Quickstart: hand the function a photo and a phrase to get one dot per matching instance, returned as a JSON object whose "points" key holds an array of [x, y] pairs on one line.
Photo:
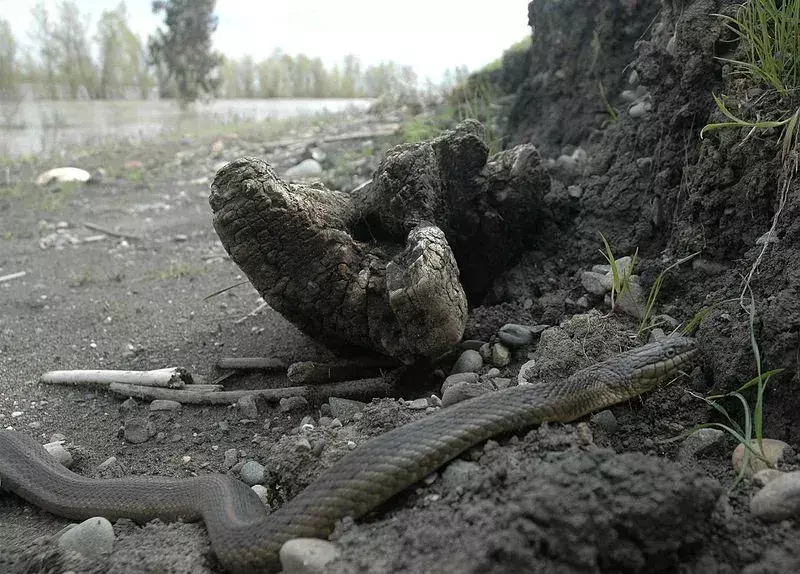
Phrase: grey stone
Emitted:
{"points": [[459, 378], [501, 356], [468, 362], [291, 404], [128, 406], [514, 335], [486, 352], [262, 493], [774, 451], [457, 473], [461, 392], [501, 382], [231, 458], [765, 476], [606, 421], [138, 430], [574, 191], [306, 168], [779, 499], [164, 405], [417, 404], [307, 555], [595, 283], [252, 473], [472, 344], [526, 372], [58, 452], [639, 109], [345, 409], [92, 538], [248, 406], [492, 373], [702, 442]]}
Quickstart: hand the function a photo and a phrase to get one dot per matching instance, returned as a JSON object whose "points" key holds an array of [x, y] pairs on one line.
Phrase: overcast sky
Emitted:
{"points": [[429, 35]]}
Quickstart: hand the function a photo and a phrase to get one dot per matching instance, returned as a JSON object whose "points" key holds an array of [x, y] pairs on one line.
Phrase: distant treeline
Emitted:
{"points": [[64, 59]]}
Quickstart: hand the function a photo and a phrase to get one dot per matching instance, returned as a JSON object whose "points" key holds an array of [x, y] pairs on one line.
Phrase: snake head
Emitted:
{"points": [[655, 363]]}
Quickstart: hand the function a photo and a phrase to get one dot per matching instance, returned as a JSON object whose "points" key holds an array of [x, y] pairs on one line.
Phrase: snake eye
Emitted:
{"points": [[670, 353]]}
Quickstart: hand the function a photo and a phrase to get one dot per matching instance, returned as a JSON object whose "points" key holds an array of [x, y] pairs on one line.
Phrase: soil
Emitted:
{"points": [[561, 498]]}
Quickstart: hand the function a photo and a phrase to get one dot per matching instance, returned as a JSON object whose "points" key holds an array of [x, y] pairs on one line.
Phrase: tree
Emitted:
{"points": [[185, 46], [122, 63], [71, 41], [42, 38]]}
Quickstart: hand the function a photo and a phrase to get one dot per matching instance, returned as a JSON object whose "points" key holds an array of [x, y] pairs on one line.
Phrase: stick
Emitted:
{"points": [[11, 276], [363, 389], [251, 363], [305, 372], [101, 229], [252, 313], [173, 377]]}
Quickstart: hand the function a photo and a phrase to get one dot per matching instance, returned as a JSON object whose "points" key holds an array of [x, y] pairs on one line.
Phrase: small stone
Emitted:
{"points": [[307, 555], [247, 404], [164, 405], [306, 168], [774, 451], [417, 404], [223, 426], [631, 302], [107, 463], [468, 362], [501, 382], [128, 406], [656, 334], [459, 378], [262, 493], [492, 373], [765, 476], [92, 538], [574, 191], [302, 445], [514, 335], [585, 435], [434, 401], [290, 404], [779, 499], [457, 473], [461, 392], [486, 352], [639, 109], [526, 372], [595, 283], [501, 356], [705, 441], [138, 430], [606, 421], [472, 344], [58, 452], [252, 473], [230, 458], [345, 409]]}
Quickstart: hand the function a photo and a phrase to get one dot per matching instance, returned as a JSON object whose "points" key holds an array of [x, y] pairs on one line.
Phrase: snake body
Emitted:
{"points": [[245, 538]]}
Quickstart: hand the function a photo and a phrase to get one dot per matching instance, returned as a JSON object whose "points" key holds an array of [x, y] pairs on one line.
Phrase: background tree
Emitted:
{"points": [[73, 53], [122, 65], [184, 48]]}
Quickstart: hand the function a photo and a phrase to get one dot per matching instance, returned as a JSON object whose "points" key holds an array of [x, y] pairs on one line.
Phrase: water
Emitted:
{"points": [[48, 126]]}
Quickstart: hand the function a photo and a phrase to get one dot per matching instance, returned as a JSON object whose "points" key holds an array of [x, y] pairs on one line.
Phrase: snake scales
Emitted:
{"points": [[245, 538]]}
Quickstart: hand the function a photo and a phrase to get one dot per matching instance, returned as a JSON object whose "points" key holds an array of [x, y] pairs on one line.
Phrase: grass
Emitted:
{"points": [[655, 289], [612, 112], [751, 434], [620, 281], [475, 100], [85, 278], [178, 270]]}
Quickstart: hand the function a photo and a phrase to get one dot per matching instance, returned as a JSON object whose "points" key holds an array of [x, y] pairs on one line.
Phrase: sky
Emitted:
{"points": [[429, 35]]}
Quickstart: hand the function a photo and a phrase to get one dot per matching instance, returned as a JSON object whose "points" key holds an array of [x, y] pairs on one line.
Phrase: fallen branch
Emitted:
{"points": [[309, 372], [11, 276], [253, 313], [101, 229], [251, 363], [171, 378]]}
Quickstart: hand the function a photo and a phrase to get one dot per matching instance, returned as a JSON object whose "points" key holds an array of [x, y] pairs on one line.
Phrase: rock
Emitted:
{"points": [[595, 283], [468, 362], [656, 334], [58, 452], [526, 372], [779, 499], [705, 441], [501, 382], [247, 404], [457, 473], [486, 352], [461, 392], [262, 493], [574, 191], [302, 445], [459, 378], [472, 344], [345, 409], [639, 109], [492, 373], [514, 335], [63, 175], [252, 473], [631, 302], [164, 405], [766, 475], [417, 404], [306, 168], [774, 451], [92, 538], [307, 555], [128, 406], [606, 421], [291, 404], [501, 356], [231, 458], [138, 430]]}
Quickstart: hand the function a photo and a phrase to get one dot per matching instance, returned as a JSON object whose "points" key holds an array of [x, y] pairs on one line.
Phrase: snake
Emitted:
{"points": [[245, 537]]}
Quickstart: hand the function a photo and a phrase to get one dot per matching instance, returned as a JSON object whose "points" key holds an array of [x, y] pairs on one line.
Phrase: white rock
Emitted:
{"points": [[58, 452], [774, 451], [306, 168], [306, 555], [63, 175], [779, 499], [93, 538]]}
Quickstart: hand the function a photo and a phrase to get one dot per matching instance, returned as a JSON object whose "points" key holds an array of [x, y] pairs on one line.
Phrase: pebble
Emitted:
{"points": [[92, 538], [306, 168], [58, 452], [128, 406], [457, 473], [345, 409], [639, 109], [468, 362], [767, 475], [472, 344], [779, 499], [606, 421], [230, 459], [515, 335], [486, 352], [525, 375], [289, 404], [492, 373], [247, 404], [307, 555], [461, 392], [302, 445], [501, 382], [595, 283], [434, 401], [417, 404], [252, 473], [138, 431], [262, 493], [459, 378], [164, 405], [501, 355], [774, 450], [704, 441]]}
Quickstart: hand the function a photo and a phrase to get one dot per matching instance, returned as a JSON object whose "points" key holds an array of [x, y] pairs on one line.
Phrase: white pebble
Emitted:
{"points": [[307, 555], [93, 538]]}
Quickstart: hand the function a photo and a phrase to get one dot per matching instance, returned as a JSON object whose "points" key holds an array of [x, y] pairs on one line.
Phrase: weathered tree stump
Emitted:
{"points": [[379, 269]]}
